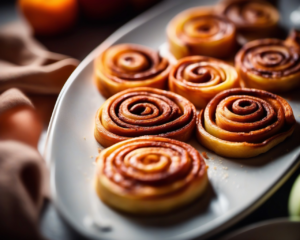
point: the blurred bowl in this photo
(276, 229)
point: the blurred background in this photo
(84, 26)
(91, 22)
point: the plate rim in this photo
(232, 217)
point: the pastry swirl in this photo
(199, 78)
(200, 31)
(150, 175)
(126, 66)
(244, 122)
(270, 64)
(251, 17)
(144, 111)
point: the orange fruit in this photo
(49, 17)
(21, 124)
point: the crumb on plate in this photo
(204, 154)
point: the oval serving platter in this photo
(236, 188)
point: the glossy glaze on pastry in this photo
(199, 78)
(251, 17)
(150, 175)
(126, 66)
(144, 111)
(244, 123)
(200, 31)
(270, 64)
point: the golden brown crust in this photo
(252, 18)
(150, 175)
(270, 64)
(144, 111)
(199, 78)
(244, 122)
(200, 31)
(126, 66)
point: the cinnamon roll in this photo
(252, 18)
(144, 111)
(270, 64)
(126, 66)
(200, 31)
(243, 122)
(150, 175)
(199, 78)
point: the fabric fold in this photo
(13, 98)
(27, 65)
(22, 190)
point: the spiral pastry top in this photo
(150, 175)
(250, 15)
(144, 111)
(243, 122)
(200, 31)
(199, 78)
(270, 64)
(126, 66)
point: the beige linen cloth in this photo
(23, 179)
(28, 66)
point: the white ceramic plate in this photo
(237, 186)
